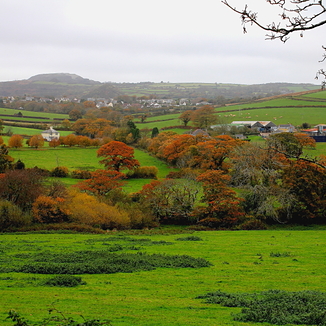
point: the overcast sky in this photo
(146, 40)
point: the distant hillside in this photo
(71, 85)
(63, 78)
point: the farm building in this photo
(50, 134)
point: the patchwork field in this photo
(242, 261)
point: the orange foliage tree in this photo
(47, 209)
(15, 141)
(54, 142)
(211, 154)
(117, 155)
(36, 141)
(223, 207)
(101, 182)
(158, 143)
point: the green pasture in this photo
(284, 115)
(28, 131)
(243, 261)
(26, 114)
(75, 158)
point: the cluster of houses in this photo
(266, 128)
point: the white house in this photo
(50, 134)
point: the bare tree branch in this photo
(302, 16)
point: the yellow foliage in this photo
(88, 210)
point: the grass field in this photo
(75, 158)
(26, 114)
(310, 108)
(243, 261)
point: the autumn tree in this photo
(6, 161)
(117, 155)
(211, 154)
(204, 117)
(54, 142)
(222, 206)
(22, 187)
(178, 148)
(186, 117)
(69, 140)
(47, 209)
(16, 141)
(101, 182)
(75, 114)
(66, 124)
(36, 141)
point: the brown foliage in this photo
(16, 141)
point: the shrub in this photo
(143, 172)
(106, 262)
(81, 174)
(64, 281)
(190, 238)
(49, 210)
(274, 306)
(86, 209)
(12, 216)
(21, 187)
(59, 172)
(253, 224)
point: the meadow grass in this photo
(26, 114)
(243, 261)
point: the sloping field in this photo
(310, 108)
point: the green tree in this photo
(6, 161)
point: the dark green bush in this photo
(81, 174)
(59, 172)
(190, 238)
(64, 281)
(105, 262)
(275, 306)
(57, 318)
(143, 172)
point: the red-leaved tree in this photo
(117, 155)
(101, 182)
(223, 209)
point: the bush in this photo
(12, 216)
(274, 306)
(59, 172)
(253, 224)
(190, 238)
(86, 209)
(81, 174)
(143, 172)
(64, 281)
(106, 262)
(50, 210)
